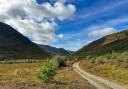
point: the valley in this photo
(63, 44)
(56, 68)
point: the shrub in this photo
(17, 72)
(58, 61)
(108, 56)
(99, 61)
(114, 55)
(47, 72)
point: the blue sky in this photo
(70, 24)
(92, 15)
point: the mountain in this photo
(113, 42)
(53, 50)
(15, 45)
(71, 52)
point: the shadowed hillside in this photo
(15, 45)
(59, 51)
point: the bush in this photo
(48, 71)
(58, 61)
(100, 61)
(17, 72)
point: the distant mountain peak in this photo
(54, 50)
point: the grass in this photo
(107, 71)
(27, 72)
(65, 78)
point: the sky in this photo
(70, 24)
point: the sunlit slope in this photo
(116, 42)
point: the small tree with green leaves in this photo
(47, 72)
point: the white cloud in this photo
(15, 8)
(61, 36)
(59, 10)
(102, 32)
(40, 33)
(29, 17)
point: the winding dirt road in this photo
(96, 81)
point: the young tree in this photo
(47, 72)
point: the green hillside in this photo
(117, 42)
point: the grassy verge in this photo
(107, 71)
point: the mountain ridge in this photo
(112, 42)
(14, 44)
(54, 50)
